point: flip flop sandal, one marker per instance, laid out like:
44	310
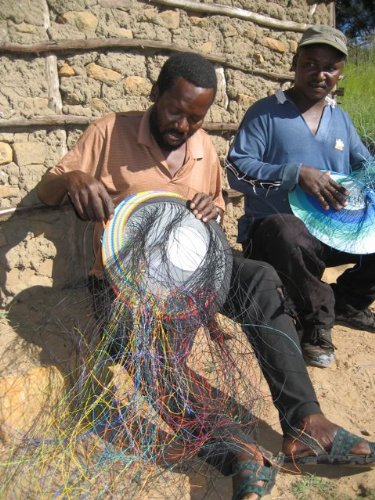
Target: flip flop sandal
339	454
256	472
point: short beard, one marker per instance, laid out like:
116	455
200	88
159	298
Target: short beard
157	135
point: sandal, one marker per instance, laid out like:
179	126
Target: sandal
339	453
266	473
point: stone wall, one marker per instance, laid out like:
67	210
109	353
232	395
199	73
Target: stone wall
103	56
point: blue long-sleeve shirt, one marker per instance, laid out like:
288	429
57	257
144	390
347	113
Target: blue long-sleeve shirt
272	143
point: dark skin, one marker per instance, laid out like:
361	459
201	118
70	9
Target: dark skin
177	114
317	70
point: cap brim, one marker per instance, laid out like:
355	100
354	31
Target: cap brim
317	41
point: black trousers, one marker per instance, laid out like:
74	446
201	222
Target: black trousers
300	260
256	301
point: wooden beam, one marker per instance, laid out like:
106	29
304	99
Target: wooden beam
224	10
45	120
54	96
86	44
61	120
105	43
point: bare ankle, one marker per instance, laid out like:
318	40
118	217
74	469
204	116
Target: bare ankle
316	422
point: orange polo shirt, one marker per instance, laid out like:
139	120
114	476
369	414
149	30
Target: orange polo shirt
120	151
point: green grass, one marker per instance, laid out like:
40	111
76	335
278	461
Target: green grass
368	493
319	488
3	314
313	487
359	92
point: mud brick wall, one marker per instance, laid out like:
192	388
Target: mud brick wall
64	63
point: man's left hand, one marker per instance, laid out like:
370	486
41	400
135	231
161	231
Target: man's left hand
204	208
320	184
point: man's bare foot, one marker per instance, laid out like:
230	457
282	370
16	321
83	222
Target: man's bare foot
323	431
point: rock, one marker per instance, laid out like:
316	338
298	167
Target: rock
121	33
46	268
199	21
28	153
25	28
149	14
5	203
273	9
13	180
62	31
250	34
136	85
229	30
8	191
258	58
79	90
6	136
83	20
206	47
32	106
114	4
170	18
66	70
22	12
125	64
274	44
245	100
98	105
293	46
6	153
104	75
77	110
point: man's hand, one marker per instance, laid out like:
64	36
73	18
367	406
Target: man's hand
320	184
204	208
89	196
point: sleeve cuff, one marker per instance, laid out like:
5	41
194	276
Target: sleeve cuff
291	176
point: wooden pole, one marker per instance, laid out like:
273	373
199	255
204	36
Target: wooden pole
53	83
58	120
103	43
224	10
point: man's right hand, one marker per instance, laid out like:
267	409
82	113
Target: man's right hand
89	196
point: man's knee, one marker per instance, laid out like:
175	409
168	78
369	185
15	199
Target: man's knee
280	229
257	271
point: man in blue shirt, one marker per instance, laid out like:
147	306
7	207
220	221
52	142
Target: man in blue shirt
289	139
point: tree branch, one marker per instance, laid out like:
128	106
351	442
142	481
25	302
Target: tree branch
103	43
58	120
224	10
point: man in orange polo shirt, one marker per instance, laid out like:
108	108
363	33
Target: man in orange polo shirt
165	148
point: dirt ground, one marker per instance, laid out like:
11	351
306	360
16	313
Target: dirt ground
346	392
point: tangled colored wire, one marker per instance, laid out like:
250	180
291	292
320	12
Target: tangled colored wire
162	381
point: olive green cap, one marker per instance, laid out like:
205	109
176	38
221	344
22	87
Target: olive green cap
326	35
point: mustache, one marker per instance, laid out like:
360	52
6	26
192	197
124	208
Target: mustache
319	85
175	132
